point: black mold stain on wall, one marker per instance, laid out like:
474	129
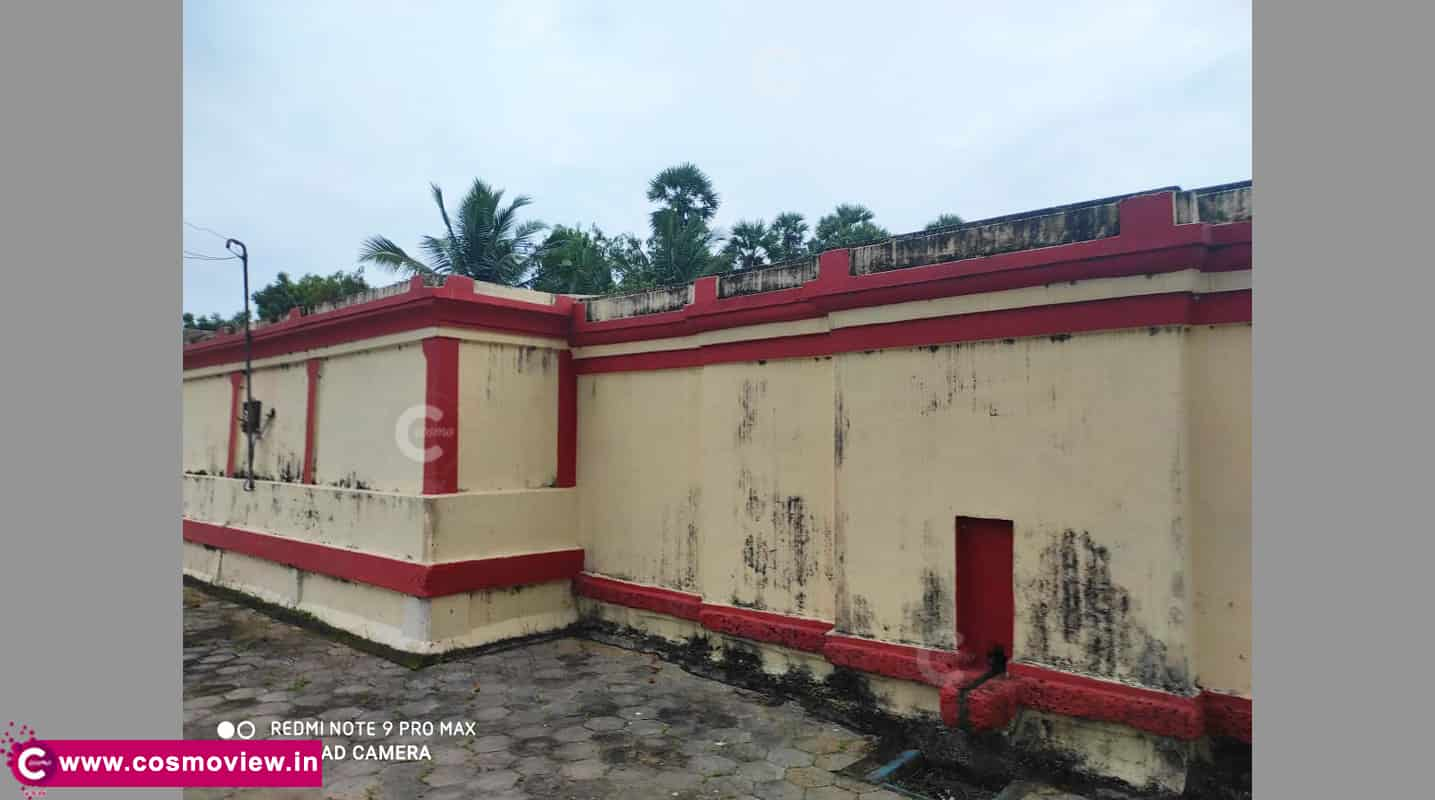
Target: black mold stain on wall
748	400
1075	601
933	617
678	557
784	545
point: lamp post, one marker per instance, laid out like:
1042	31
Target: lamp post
248	419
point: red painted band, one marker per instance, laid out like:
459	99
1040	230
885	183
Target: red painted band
405	577
764	626
1087	698
236	385
905	662
418	308
988	706
648	598
311	418
1179	308
567	421
1227	715
441	417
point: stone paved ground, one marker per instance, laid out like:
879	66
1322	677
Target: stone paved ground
562	719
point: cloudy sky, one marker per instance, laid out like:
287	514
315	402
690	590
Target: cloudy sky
311	125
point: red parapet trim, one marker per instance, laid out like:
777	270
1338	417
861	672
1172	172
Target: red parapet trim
634	595
1071	695
567	421
420	307
905	662
236	385
404	577
1149	243
1176	308
797	633
441	416
311	418
1227	715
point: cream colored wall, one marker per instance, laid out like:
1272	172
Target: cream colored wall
508	416
767	539
1078	440
487	524
391	525
279	452
205	404
1219	363
640	492
363	397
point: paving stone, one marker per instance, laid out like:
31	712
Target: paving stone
778	790
836	762
496	781
617	724
711	765
808	777
489	744
789	757
829	793
586	770
576	751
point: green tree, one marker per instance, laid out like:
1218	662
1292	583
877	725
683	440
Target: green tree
574	261
632	265
944	221
846	226
274	301
789	237
484	241
686	191
212	322
681	246
680	252
749	245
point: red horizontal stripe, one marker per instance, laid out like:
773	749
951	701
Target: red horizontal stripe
1179	308
764	626
405	577
1227	715
648	598
1079	696
989	705
923	665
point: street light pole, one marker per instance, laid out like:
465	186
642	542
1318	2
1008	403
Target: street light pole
249	423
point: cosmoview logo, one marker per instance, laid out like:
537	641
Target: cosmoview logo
35	763
405	433
32	761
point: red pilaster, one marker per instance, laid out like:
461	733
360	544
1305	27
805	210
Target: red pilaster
441	417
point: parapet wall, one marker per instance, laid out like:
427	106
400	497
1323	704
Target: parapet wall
1028	434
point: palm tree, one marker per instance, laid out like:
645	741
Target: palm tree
789	236
485	241
748	245
685	190
846	226
681	252
944	221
